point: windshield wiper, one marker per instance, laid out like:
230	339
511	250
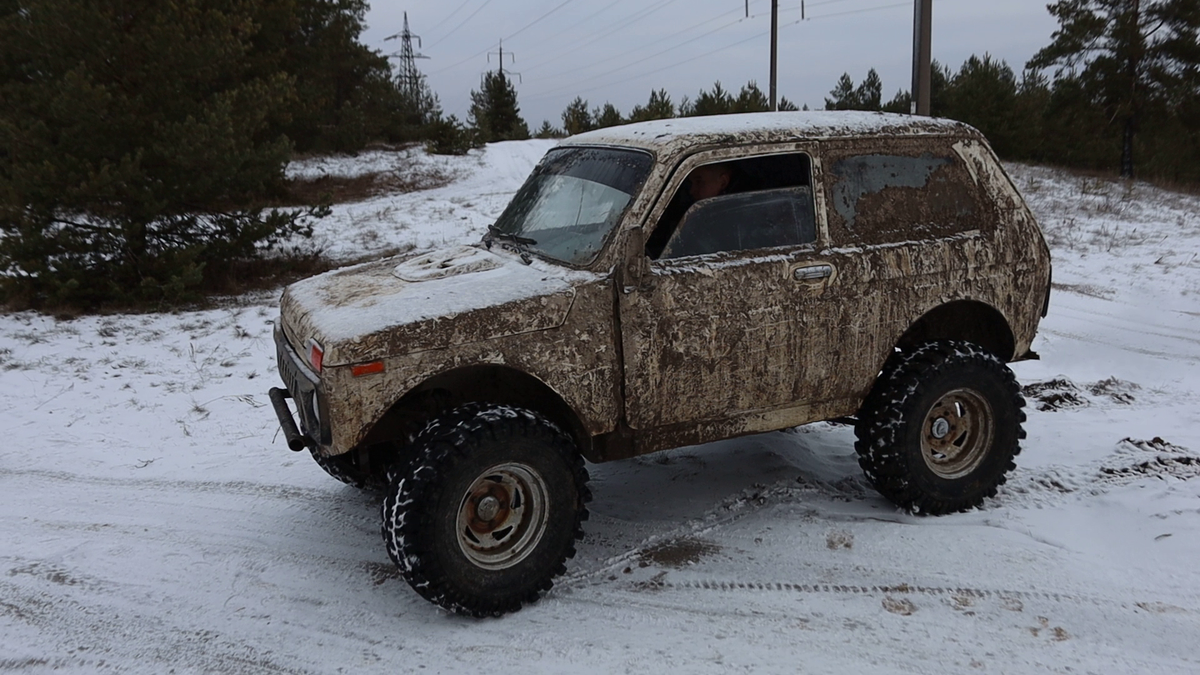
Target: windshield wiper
497	233
521	244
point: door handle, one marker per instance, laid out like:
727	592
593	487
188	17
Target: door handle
813	272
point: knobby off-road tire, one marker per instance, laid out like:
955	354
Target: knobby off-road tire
941	430
343	468
384	458
489	511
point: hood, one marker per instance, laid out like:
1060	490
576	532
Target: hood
434	300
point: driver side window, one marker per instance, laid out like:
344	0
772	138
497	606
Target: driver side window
743	222
746	204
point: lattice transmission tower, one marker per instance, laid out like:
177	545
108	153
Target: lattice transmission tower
408	77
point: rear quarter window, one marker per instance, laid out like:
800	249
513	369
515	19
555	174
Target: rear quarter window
900	193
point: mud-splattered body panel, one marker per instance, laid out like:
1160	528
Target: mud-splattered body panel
919	234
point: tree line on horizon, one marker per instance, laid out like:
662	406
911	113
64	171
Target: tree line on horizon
1117	89
143	144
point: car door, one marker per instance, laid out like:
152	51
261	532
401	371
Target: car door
721	330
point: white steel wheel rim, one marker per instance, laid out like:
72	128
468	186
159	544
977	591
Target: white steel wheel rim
502	516
957	433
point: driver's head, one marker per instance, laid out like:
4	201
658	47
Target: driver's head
709	180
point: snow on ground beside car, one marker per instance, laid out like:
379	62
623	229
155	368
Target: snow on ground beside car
484	182
153	518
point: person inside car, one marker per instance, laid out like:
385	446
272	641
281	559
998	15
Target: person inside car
709	180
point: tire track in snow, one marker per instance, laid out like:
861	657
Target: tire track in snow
102	636
1156	606
1082	337
233	488
730	510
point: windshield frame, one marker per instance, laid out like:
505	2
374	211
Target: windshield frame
604	245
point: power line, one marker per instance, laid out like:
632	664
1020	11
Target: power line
660	53
462	23
488	48
826	2
856	11
455	65
659	70
678	33
730	46
646	58
589	17
447	17
618	25
531	23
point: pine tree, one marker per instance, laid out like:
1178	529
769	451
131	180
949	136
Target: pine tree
785	104
866	96
717	101
448	136
576	118
1129	55
659	107
138	141
900	103
1033	96
869	94
843	95
984	95
417	108
547	130
751	99
345	92
608	116
494	112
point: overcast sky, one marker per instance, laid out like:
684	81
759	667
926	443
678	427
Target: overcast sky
618	50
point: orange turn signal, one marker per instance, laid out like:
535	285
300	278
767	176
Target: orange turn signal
366	368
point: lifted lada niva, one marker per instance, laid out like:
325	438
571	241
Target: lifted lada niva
664	284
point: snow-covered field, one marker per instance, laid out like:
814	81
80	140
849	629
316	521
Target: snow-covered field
154	521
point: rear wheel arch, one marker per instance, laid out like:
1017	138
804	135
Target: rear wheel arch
964	320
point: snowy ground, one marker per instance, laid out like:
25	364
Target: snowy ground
153	520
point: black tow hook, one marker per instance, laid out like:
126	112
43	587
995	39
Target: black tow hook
295	440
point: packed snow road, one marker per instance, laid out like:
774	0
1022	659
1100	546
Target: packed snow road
153	520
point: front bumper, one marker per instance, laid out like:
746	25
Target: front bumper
302	385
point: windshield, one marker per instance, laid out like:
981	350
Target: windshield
574	198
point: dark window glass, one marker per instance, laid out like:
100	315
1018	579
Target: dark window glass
747	221
886	198
752	174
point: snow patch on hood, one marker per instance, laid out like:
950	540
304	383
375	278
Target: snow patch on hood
454	296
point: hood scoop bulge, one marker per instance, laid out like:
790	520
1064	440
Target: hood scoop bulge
446	263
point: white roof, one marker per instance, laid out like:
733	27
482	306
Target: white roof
767	127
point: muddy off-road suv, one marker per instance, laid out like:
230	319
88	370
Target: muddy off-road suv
665	284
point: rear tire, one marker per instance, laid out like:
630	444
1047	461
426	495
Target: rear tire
490	510
939	433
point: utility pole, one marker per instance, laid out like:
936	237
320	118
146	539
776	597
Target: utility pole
409	77
922	30
511	57
774	51
774	44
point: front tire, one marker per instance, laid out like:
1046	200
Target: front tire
490	510
343	468
942	429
